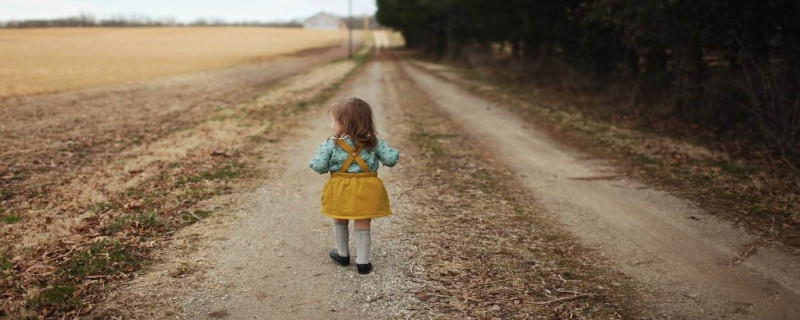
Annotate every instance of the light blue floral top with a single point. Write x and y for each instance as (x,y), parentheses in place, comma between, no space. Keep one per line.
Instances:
(330,157)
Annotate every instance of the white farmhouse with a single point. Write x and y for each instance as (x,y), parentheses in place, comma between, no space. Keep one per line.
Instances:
(324,21)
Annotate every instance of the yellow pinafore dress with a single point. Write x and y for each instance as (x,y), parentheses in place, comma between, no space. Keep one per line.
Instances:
(354,196)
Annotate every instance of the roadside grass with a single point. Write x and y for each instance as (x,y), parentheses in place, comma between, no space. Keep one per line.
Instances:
(227,171)
(101,207)
(762,198)
(484,248)
(76,273)
(55,298)
(101,259)
(10,218)
(148,219)
(105,257)
(5,262)
(261,139)
(194,216)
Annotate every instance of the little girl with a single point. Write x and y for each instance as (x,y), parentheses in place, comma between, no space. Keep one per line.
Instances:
(353,191)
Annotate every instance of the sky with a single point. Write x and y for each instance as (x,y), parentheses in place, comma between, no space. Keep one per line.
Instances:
(181,10)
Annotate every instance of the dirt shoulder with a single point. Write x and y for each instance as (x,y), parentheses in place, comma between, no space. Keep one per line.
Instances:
(761,196)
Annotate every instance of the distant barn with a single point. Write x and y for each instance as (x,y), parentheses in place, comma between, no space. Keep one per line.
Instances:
(324,21)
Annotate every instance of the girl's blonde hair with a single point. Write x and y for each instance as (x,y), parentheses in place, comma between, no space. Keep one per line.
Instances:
(355,119)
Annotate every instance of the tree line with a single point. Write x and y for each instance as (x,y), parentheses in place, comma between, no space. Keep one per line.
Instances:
(133,20)
(722,62)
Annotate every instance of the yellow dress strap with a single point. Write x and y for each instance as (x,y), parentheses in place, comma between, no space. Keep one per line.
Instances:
(351,156)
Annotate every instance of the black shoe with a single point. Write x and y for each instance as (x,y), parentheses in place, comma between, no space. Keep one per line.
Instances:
(342,261)
(364,268)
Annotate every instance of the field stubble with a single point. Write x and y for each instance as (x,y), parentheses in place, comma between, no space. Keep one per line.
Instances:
(36,61)
(108,214)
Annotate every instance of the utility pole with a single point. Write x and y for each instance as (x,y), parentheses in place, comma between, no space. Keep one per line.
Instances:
(349,29)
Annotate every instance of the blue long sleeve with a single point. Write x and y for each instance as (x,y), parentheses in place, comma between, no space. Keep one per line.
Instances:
(320,162)
(388,156)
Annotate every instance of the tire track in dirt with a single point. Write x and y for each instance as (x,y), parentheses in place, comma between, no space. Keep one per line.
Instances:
(684,267)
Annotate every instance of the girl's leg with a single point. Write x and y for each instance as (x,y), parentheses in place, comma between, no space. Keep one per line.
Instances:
(342,237)
(362,241)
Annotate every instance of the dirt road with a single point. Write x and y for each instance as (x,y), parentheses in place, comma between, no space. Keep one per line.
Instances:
(271,266)
(687,261)
(267,259)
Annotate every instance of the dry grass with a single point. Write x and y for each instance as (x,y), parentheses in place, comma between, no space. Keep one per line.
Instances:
(146,193)
(54,59)
(484,248)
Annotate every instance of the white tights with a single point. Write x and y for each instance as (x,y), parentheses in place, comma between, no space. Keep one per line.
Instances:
(341,234)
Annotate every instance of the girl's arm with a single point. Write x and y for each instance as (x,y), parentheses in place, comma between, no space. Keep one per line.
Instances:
(323,156)
(388,156)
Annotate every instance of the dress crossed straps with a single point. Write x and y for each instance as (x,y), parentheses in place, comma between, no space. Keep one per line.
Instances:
(354,196)
(354,155)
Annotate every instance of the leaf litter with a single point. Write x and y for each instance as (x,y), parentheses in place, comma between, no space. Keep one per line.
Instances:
(138,200)
(484,248)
